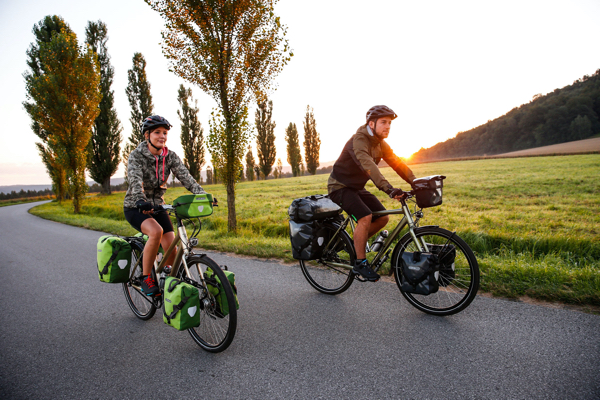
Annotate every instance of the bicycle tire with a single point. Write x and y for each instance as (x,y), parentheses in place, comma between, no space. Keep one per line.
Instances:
(330,279)
(140,304)
(455,292)
(216,332)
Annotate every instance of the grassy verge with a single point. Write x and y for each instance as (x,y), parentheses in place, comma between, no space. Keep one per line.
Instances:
(12,202)
(532,222)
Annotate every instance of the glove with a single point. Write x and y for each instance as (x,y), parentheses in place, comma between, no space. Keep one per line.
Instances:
(143,205)
(392,192)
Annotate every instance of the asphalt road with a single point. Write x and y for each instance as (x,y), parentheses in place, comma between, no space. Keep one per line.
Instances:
(64,334)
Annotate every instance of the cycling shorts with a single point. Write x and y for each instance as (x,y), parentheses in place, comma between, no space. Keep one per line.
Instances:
(135,219)
(357,203)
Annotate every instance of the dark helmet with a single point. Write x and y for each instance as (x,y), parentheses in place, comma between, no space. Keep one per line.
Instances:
(377,112)
(154,122)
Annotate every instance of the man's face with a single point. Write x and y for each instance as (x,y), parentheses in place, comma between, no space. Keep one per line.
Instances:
(382,129)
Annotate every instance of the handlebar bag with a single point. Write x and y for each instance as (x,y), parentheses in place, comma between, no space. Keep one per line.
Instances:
(308,240)
(428,190)
(194,205)
(313,208)
(446,255)
(420,272)
(113,259)
(216,289)
(182,304)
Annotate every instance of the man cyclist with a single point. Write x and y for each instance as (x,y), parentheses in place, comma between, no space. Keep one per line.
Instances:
(355,166)
(148,170)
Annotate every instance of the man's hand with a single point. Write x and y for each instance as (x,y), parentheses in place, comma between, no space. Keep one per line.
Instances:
(395,193)
(144,207)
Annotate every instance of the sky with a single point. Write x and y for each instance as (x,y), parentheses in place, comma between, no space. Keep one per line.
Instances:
(443,66)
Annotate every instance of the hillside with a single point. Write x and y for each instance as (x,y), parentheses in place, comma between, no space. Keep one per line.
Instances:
(564,115)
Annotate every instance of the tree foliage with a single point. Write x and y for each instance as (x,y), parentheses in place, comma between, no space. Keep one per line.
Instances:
(231,49)
(66,95)
(105,144)
(43,32)
(564,115)
(294,156)
(265,139)
(250,163)
(192,134)
(312,142)
(140,101)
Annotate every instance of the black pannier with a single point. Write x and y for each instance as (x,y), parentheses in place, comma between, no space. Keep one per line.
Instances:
(420,273)
(308,240)
(428,190)
(313,208)
(446,255)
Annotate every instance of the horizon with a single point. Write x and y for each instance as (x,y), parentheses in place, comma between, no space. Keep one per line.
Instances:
(443,68)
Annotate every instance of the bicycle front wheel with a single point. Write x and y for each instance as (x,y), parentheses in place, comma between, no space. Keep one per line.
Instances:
(458,278)
(216,331)
(140,304)
(332,274)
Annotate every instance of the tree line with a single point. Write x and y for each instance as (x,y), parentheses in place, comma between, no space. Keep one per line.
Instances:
(232,50)
(564,115)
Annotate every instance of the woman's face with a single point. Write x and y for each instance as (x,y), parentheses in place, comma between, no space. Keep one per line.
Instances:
(158,136)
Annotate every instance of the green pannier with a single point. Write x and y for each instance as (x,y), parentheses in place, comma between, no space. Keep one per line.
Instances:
(182,304)
(194,205)
(216,289)
(113,259)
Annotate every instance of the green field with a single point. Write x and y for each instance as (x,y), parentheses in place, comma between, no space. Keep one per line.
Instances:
(533,223)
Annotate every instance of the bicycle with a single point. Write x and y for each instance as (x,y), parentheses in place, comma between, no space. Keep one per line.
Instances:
(458,284)
(216,332)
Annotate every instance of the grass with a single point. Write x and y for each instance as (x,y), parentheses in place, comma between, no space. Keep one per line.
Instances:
(12,202)
(532,222)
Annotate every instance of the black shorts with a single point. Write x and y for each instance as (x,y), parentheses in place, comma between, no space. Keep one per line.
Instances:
(135,219)
(357,203)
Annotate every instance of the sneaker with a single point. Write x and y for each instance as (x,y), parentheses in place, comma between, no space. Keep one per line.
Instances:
(149,287)
(363,269)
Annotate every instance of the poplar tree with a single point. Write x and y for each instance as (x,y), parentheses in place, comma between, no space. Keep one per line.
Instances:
(250,164)
(312,142)
(231,49)
(294,156)
(140,101)
(66,96)
(265,139)
(43,32)
(278,168)
(105,144)
(192,134)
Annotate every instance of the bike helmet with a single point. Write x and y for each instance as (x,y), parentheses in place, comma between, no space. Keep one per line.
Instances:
(377,112)
(154,122)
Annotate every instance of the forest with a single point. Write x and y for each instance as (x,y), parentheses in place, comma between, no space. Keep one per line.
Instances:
(564,115)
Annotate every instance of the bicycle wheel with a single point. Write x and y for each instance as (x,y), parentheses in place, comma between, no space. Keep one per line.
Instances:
(458,282)
(140,304)
(216,331)
(328,278)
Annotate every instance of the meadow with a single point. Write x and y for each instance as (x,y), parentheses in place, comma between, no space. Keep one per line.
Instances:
(533,223)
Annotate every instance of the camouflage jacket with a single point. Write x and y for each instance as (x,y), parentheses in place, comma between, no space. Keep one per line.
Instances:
(358,163)
(148,174)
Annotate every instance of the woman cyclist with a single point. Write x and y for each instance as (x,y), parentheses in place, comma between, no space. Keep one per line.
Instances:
(148,170)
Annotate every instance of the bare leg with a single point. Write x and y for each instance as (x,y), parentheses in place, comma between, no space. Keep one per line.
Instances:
(154,231)
(378,225)
(361,234)
(166,241)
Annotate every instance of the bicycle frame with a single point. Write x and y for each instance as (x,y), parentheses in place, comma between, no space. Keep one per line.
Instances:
(382,254)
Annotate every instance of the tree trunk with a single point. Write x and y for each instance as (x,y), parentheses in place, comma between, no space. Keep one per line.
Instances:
(231,218)
(106,186)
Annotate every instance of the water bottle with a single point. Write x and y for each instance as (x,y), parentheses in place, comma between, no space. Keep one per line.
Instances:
(163,275)
(379,240)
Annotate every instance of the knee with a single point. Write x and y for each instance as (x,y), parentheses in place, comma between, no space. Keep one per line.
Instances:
(384,219)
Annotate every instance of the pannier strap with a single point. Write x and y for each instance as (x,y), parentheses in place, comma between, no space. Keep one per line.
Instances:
(111,259)
(177,307)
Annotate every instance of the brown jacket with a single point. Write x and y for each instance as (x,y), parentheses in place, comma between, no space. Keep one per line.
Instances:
(358,163)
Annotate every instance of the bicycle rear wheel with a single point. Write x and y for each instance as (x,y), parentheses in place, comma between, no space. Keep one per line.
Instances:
(216,331)
(140,304)
(322,274)
(458,282)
